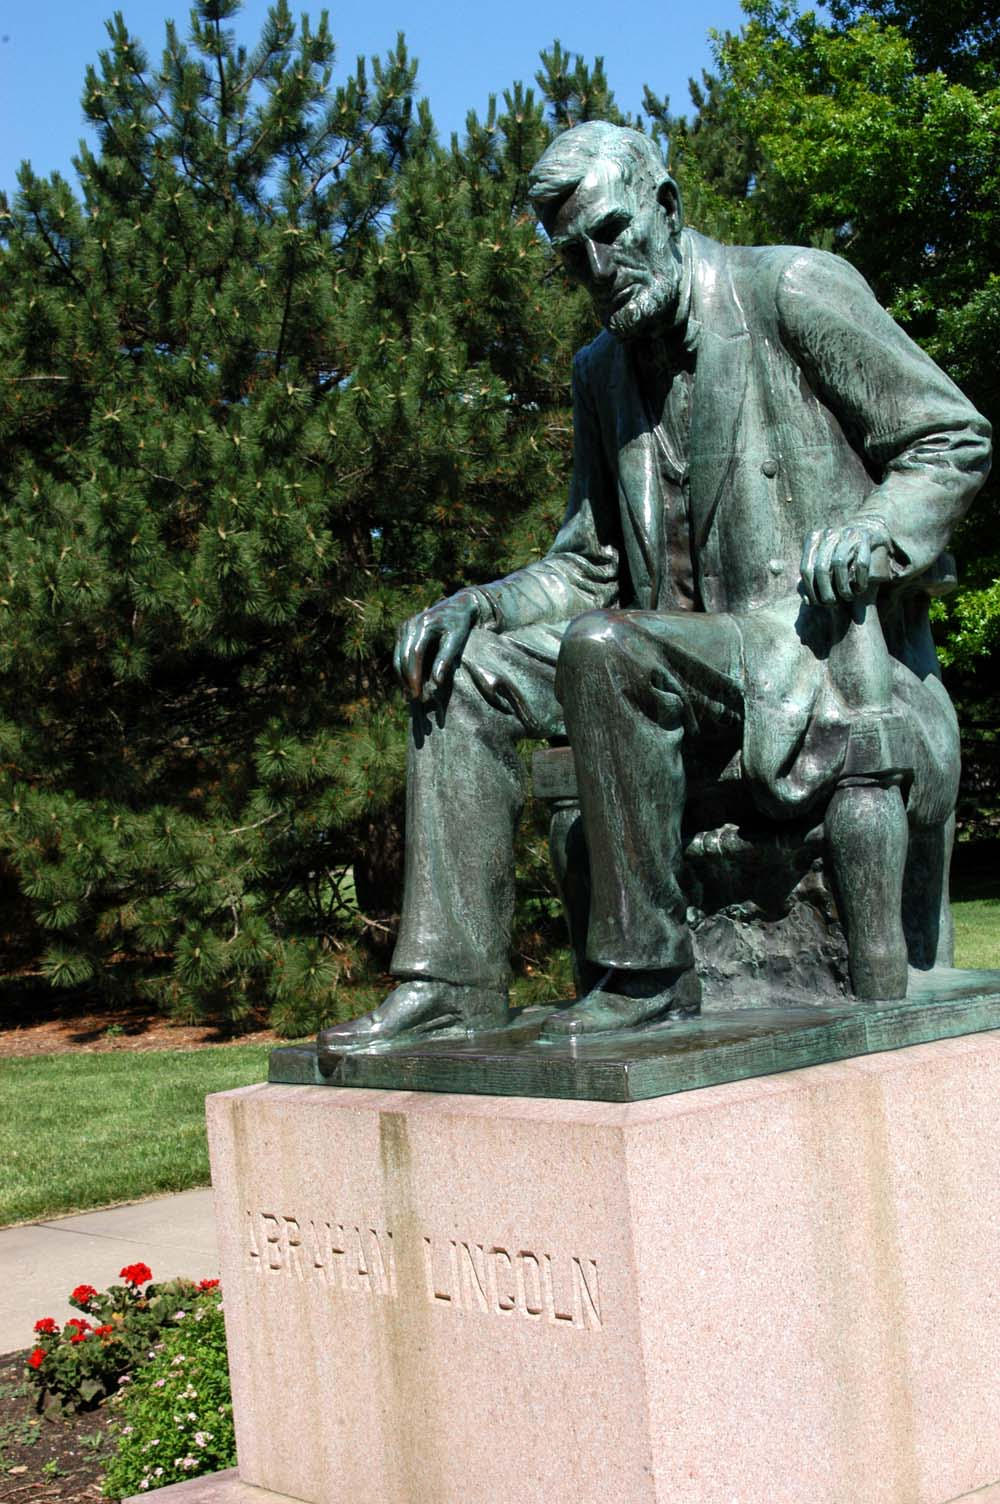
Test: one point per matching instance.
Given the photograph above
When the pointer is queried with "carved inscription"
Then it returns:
(496, 1281)
(476, 1278)
(345, 1256)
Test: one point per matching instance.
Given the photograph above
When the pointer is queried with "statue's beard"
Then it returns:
(649, 309)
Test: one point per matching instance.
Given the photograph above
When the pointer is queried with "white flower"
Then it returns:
(179, 1315)
(157, 1472)
(191, 1415)
(202, 1438)
(188, 1463)
(127, 1430)
(144, 1483)
(159, 1383)
(176, 1362)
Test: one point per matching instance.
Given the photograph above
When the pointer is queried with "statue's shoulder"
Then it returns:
(714, 258)
(592, 364)
(769, 274)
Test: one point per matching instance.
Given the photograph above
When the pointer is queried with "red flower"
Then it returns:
(136, 1274)
(79, 1336)
(79, 1323)
(204, 1284)
(83, 1293)
(47, 1326)
(104, 1331)
(37, 1358)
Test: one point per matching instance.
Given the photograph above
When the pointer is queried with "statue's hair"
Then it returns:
(563, 165)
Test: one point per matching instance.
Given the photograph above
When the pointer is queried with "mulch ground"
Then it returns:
(42, 1461)
(39, 1021)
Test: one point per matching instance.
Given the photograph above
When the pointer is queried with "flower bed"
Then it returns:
(156, 1354)
(80, 1364)
(175, 1420)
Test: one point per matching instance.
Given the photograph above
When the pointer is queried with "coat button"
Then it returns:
(770, 468)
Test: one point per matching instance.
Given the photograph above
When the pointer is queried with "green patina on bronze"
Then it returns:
(731, 634)
(658, 1060)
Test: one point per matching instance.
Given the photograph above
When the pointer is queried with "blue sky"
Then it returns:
(466, 50)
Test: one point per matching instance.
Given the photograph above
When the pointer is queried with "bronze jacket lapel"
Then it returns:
(721, 382)
(640, 492)
(718, 327)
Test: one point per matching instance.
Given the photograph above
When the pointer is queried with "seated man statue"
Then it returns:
(750, 427)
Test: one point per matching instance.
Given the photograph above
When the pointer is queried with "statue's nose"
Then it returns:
(599, 261)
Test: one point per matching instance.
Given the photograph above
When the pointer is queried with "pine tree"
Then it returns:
(176, 568)
(716, 160)
(289, 370)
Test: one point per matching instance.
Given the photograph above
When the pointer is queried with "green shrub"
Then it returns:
(175, 1417)
(78, 1365)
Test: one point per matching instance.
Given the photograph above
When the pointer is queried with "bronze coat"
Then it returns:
(810, 408)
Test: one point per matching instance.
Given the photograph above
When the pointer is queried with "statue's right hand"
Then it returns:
(430, 645)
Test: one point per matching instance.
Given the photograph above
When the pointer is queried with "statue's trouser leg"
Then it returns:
(867, 835)
(464, 792)
(634, 685)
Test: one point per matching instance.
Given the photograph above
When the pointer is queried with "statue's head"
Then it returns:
(613, 213)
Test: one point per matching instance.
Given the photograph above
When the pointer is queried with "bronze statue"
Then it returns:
(755, 442)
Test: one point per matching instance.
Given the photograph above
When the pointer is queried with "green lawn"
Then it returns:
(88, 1130)
(975, 895)
(85, 1130)
(977, 932)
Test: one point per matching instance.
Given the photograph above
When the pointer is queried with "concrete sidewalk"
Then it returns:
(41, 1262)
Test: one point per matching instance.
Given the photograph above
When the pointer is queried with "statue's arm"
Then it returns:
(580, 572)
(925, 443)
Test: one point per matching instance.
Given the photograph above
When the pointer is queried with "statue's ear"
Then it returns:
(668, 196)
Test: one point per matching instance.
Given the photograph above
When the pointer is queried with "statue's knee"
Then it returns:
(595, 655)
(594, 635)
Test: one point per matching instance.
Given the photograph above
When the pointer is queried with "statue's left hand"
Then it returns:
(837, 561)
(430, 645)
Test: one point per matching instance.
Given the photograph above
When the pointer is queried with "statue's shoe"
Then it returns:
(419, 1006)
(628, 1000)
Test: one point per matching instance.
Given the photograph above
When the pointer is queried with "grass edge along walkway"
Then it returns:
(80, 1130)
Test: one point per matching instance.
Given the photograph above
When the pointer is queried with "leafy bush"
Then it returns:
(175, 1418)
(78, 1365)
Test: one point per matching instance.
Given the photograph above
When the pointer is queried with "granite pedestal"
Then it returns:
(226, 1488)
(781, 1290)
